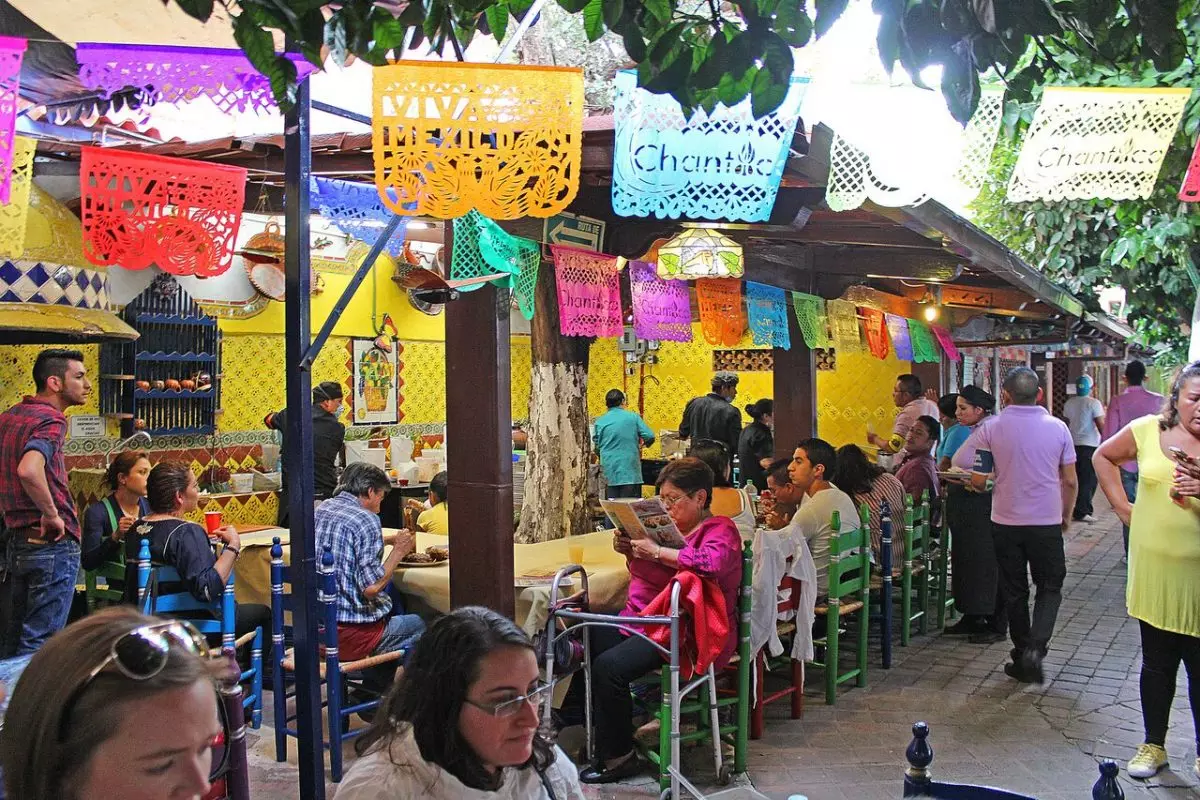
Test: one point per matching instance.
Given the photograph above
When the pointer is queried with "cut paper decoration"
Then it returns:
(843, 325)
(357, 211)
(768, 317)
(449, 137)
(726, 165)
(810, 316)
(140, 209)
(661, 309)
(876, 329)
(1092, 143)
(481, 248)
(589, 292)
(868, 162)
(12, 50)
(1190, 191)
(946, 341)
(901, 341)
(700, 253)
(922, 342)
(722, 313)
(14, 215)
(173, 74)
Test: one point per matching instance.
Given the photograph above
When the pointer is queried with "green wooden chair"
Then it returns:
(110, 571)
(914, 574)
(849, 594)
(737, 731)
(939, 557)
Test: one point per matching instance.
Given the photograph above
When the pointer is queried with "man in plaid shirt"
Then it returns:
(41, 538)
(348, 523)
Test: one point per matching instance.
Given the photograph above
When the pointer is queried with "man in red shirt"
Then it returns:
(41, 530)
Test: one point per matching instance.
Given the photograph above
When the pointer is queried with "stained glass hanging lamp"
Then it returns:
(700, 253)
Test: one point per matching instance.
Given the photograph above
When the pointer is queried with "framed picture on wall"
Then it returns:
(374, 394)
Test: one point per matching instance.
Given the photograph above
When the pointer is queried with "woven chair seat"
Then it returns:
(843, 610)
(289, 662)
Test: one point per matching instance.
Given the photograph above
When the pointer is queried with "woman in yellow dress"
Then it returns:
(1163, 587)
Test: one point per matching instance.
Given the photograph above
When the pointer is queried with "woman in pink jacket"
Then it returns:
(712, 551)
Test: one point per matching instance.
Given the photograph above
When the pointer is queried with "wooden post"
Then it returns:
(930, 373)
(479, 448)
(795, 389)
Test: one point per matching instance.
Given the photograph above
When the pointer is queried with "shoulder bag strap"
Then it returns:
(546, 784)
(112, 514)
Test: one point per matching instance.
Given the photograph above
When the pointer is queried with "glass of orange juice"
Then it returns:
(574, 551)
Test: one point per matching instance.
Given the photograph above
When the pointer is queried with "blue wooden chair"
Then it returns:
(223, 614)
(918, 779)
(339, 677)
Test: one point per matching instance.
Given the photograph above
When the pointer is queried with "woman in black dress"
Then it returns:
(756, 446)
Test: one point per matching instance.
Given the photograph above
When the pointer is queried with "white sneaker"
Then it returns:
(1147, 761)
(1088, 518)
(1196, 768)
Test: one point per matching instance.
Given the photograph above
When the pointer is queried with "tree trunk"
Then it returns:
(559, 447)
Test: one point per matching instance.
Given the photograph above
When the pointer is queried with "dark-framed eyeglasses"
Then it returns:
(536, 697)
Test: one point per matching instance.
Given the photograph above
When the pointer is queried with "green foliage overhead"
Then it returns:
(1142, 245)
(725, 50)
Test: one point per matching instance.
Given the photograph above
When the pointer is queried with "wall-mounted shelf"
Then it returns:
(171, 394)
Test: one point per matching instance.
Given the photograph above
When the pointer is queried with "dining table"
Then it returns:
(426, 588)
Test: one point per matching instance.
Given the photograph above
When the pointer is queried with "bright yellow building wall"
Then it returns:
(16, 374)
(858, 392)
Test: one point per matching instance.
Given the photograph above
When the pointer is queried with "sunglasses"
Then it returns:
(141, 654)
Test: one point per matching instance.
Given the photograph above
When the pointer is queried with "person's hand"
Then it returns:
(1186, 484)
(1124, 512)
(53, 528)
(404, 543)
(413, 504)
(229, 535)
(775, 520)
(646, 548)
(766, 502)
(932, 395)
(123, 526)
(1066, 524)
(621, 543)
(873, 438)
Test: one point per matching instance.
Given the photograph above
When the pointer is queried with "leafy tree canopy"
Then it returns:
(1142, 245)
(726, 50)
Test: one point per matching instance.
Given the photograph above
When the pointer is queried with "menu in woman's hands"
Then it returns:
(644, 519)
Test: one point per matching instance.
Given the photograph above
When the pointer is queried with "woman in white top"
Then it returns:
(462, 721)
(727, 499)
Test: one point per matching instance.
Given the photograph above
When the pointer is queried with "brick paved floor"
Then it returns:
(985, 727)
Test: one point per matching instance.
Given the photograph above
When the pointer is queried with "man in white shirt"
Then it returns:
(811, 467)
(1085, 418)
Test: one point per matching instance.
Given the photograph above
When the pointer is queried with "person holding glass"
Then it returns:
(107, 522)
(1162, 590)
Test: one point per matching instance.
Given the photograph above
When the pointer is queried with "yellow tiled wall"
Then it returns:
(857, 392)
(16, 374)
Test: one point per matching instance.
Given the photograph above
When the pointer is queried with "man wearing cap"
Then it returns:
(713, 416)
(1085, 418)
(328, 437)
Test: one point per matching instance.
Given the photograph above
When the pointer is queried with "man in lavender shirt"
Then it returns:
(1133, 403)
(1032, 458)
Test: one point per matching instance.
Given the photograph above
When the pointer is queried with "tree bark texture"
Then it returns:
(559, 448)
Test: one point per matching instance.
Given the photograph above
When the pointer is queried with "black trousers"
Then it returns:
(1021, 551)
(1087, 481)
(617, 661)
(1161, 653)
(623, 490)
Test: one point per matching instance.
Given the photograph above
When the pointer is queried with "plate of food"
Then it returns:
(434, 556)
(540, 577)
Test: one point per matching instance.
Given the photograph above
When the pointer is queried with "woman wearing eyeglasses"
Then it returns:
(116, 705)
(462, 721)
(713, 551)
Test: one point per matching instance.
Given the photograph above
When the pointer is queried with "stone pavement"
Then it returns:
(985, 727)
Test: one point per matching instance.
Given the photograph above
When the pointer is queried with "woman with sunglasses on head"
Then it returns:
(116, 705)
(713, 551)
(462, 721)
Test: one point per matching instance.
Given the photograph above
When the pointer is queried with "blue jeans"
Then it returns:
(401, 633)
(1129, 480)
(41, 583)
